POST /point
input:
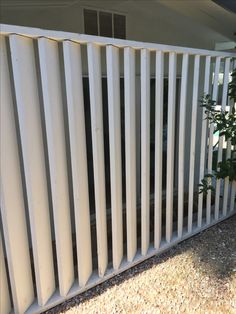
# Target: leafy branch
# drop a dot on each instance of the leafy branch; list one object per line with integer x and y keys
{"x": 225, "y": 123}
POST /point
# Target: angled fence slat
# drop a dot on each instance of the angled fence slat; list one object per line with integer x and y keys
{"x": 203, "y": 138}
{"x": 170, "y": 145}
{"x": 95, "y": 89}
{"x": 182, "y": 120}
{"x": 145, "y": 150}
{"x": 193, "y": 141}
{"x": 13, "y": 211}
{"x": 78, "y": 154}
{"x": 220, "y": 145}
{"x": 210, "y": 140}
{"x": 130, "y": 151}
{"x": 5, "y": 304}
{"x": 159, "y": 91}
{"x": 113, "y": 84}
{"x": 29, "y": 116}
{"x": 232, "y": 197}
{"x": 226, "y": 195}
{"x": 49, "y": 66}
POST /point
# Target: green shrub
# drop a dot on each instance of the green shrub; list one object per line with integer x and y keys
{"x": 225, "y": 123}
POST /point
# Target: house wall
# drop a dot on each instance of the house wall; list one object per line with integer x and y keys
{"x": 149, "y": 21}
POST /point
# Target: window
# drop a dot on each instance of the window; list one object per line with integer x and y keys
{"x": 105, "y": 24}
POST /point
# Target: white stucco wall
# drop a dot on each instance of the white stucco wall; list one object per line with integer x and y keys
{"x": 150, "y": 21}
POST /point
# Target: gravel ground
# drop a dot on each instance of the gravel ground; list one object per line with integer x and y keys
{"x": 197, "y": 276}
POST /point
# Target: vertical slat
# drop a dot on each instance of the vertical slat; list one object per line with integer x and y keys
{"x": 5, "y": 302}
{"x": 113, "y": 84}
{"x": 28, "y": 109}
{"x": 12, "y": 202}
{"x": 210, "y": 141}
{"x": 76, "y": 122}
{"x": 138, "y": 135}
{"x": 233, "y": 184}
{"x": 55, "y": 133}
{"x": 158, "y": 146}
{"x": 170, "y": 145}
{"x": 95, "y": 89}
{"x": 203, "y": 138}
{"x": 193, "y": 141}
{"x": 226, "y": 180}
{"x": 145, "y": 150}
{"x": 182, "y": 118}
{"x": 232, "y": 196}
{"x": 130, "y": 151}
{"x": 221, "y": 139}
{"x": 226, "y": 193}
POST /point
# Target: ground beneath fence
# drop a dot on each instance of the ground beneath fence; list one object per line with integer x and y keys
{"x": 197, "y": 276}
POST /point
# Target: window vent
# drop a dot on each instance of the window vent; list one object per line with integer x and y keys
{"x": 105, "y": 24}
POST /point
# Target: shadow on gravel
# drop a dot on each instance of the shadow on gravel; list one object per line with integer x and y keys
{"x": 213, "y": 253}
{"x": 215, "y": 250}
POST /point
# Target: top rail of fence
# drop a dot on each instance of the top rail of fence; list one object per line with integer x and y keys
{"x": 31, "y": 32}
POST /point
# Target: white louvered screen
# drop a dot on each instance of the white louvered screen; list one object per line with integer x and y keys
{"x": 84, "y": 123}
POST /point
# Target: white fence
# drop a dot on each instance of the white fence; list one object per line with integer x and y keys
{"x": 48, "y": 250}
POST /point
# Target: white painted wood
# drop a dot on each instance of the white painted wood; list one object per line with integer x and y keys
{"x": 103, "y": 41}
{"x": 145, "y": 150}
{"x": 233, "y": 184}
{"x": 113, "y": 86}
{"x": 232, "y": 196}
{"x": 5, "y": 302}
{"x": 193, "y": 141}
{"x": 226, "y": 181}
{"x": 28, "y": 109}
{"x": 159, "y": 89}
{"x": 12, "y": 201}
{"x": 226, "y": 195}
{"x": 203, "y": 138}
{"x": 56, "y": 146}
{"x": 95, "y": 89}
{"x": 182, "y": 120}
{"x": 15, "y": 232}
{"x": 221, "y": 139}
{"x": 78, "y": 154}
{"x": 130, "y": 151}
{"x": 210, "y": 140}
{"x": 170, "y": 145}
{"x": 95, "y": 280}
{"x": 138, "y": 135}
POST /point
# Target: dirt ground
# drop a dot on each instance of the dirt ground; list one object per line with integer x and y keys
{"x": 197, "y": 276}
